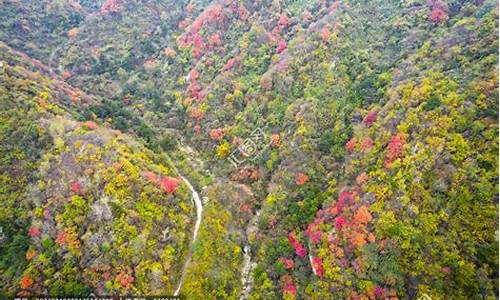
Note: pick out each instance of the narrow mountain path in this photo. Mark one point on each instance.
(199, 213)
(248, 265)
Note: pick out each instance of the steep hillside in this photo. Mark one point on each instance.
(343, 149)
(84, 207)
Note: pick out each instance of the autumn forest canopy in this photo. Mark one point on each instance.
(249, 149)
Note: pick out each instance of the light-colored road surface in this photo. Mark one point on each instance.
(199, 213)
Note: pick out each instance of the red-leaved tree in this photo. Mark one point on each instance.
(169, 184)
(111, 6)
(370, 117)
(281, 46)
(299, 249)
(394, 149)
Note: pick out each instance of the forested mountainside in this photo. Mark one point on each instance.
(340, 149)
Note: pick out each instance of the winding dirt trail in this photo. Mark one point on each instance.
(199, 213)
(248, 265)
